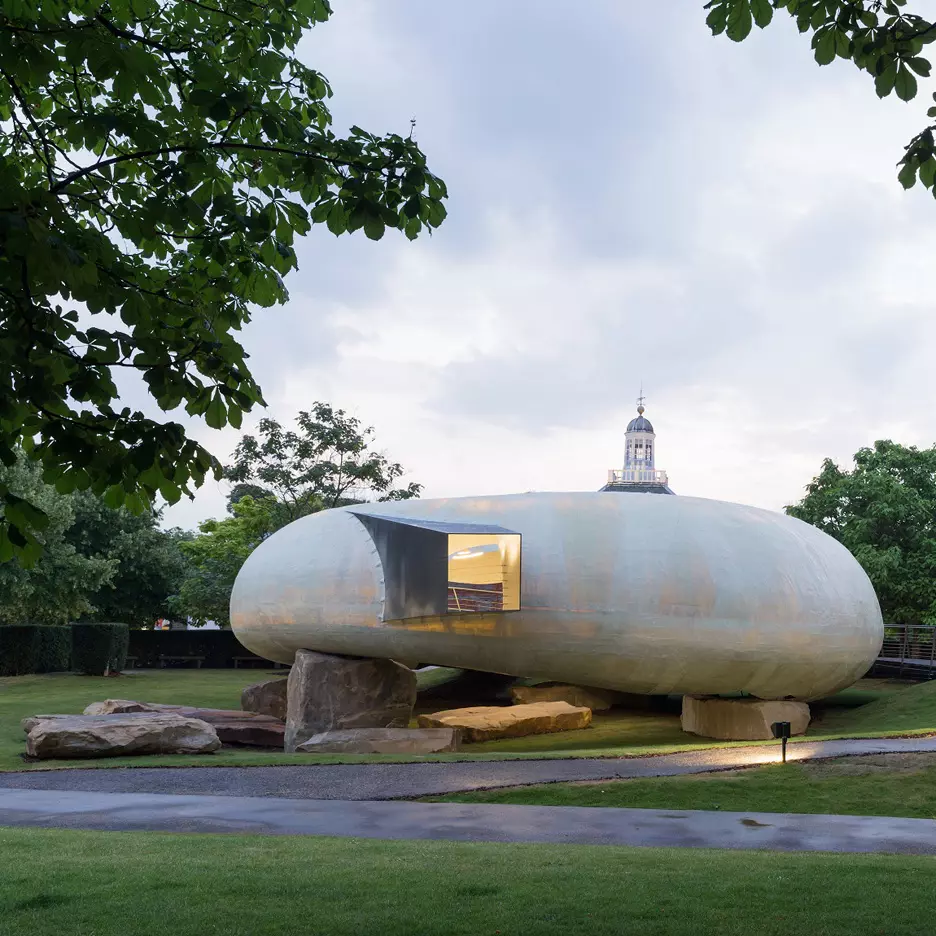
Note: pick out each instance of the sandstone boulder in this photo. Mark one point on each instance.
(266, 698)
(328, 693)
(383, 741)
(741, 719)
(120, 735)
(487, 723)
(598, 700)
(232, 725)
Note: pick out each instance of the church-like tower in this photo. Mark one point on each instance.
(639, 473)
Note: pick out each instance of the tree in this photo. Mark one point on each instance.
(157, 160)
(216, 556)
(327, 462)
(876, 35)
(884, 511)
(148, 564)
(58, 588)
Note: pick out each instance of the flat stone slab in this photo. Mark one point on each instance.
(79, 736)
(383, 741)
(598, 700)
(741, 719)
(468, 822)
(232, 725)
(488, 723)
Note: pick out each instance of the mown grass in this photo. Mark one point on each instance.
(618, 733)
(880, 785)
(153, 884)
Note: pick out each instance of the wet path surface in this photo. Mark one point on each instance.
(373, 782)
(465, 822)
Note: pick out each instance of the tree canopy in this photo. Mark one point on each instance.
(880, 37)
(884, 511)
(59, 587)
(157, 160)
(148, 565)
(326, 461)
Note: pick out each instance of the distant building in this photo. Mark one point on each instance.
(639, 473)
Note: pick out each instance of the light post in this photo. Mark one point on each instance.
(781, 730)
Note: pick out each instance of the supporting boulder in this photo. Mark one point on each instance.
(741, 719)
(329, 693)
(266, 698)
(118, 735)
(488, 723)
(382, 741)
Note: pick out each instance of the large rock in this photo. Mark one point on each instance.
(383, 741)
(232, 725)
(487, 723)
(119, 735)
(328, 693)
(741, 719)
(266, 698)
(598, 700)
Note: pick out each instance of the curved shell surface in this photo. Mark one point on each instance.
(642, 593)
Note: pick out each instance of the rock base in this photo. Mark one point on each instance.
(332, 693)
(488, 723)
(598, 700)
(78, 736)
(266, 698)
(383, 741)
(741, 719)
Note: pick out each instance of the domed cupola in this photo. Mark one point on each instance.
(639, 472)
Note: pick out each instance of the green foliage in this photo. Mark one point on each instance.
(34, 648)
(58, 587)
(158, 159)
(884, 511)
(148, 564)
(327, 462)
(877, 36)
(216, 556)
(99, 648)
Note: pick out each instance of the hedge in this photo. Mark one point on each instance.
(99, 648)
(34, 648)
(218, 649)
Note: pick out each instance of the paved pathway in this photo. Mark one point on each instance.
(466, 822)
(401, 781)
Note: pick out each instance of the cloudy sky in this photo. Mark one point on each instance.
(631, 201)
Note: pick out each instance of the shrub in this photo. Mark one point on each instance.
(99, 648)
(33, 648)
(53, 653)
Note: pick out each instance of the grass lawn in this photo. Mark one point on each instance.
(886, 707)
(885, 785)
(153, 884)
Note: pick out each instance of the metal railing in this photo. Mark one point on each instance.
(636, 476)
(909, 650)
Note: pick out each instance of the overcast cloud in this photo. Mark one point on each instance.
(631, 201)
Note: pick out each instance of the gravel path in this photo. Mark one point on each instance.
(402, 781)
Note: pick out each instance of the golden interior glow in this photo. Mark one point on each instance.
(484, 572)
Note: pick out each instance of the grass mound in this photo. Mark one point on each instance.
(881, 785)
(910, 709)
